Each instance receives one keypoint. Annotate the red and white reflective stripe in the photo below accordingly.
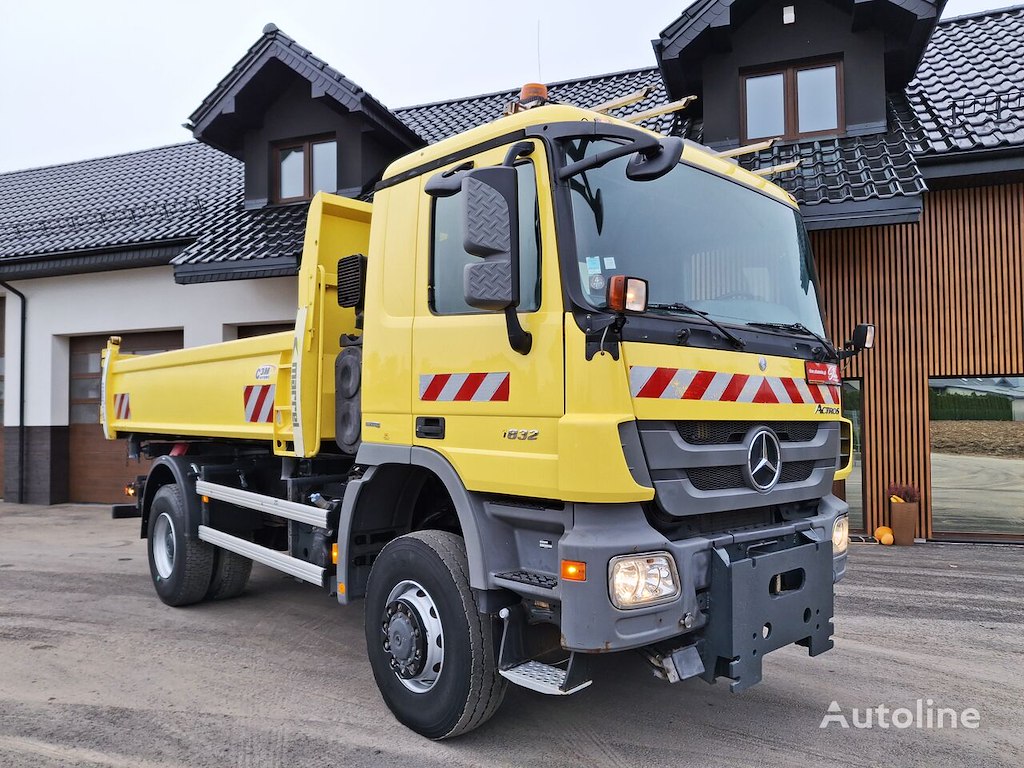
(259, 403)
(464, 387)
(122, 408)
(709, 386)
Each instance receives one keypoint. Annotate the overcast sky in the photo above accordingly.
(81, 80)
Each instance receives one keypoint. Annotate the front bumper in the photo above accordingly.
(729, 593)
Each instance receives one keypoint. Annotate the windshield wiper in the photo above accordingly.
(735, 340)
(826, 345)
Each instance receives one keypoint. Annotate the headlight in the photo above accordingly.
(638, 580)
(840, 535)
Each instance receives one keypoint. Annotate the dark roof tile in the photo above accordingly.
(847, 169)
(241, 235)
(968, 93)
(168, 193)
(445, 118)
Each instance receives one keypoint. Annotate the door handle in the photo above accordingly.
(430, 427)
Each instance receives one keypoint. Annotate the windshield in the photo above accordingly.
(697, 238)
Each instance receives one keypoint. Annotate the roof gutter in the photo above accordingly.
(21, 390)
(1006, 162)
(955, 156)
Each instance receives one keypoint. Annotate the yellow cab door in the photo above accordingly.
(491, 411)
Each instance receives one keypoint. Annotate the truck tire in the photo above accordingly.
(181, 567)
(230, 575)
(432, 652)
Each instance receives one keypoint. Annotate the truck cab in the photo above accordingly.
(573, 396)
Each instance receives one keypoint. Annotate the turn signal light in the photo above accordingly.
(627, 294)
(823, 373)
(574, 570)
(129, 489)
(334, 554)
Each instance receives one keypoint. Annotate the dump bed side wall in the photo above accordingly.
(278, 387)
(200, 391)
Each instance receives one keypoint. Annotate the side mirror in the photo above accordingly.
(863, 337)
(647, 165)
(490, 199)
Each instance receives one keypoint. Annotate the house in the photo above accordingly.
(909, 132)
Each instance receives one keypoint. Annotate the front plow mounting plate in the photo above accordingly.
(765, 601)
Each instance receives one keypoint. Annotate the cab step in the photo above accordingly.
(544, 678)
(300, 569)
(532, 578)
(517, 659)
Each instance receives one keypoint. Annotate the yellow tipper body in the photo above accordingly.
(278, 387)
(567, 408)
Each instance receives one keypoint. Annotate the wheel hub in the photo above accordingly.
(412, 636)
(404, 639)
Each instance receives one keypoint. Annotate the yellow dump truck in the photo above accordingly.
(562, 389)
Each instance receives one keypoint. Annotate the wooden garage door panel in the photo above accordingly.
(3, 372)
(99, 468)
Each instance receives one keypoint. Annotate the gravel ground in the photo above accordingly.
(95, 671)
(979, 438)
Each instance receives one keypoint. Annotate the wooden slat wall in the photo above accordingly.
(947, 297)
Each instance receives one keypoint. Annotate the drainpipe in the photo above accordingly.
(21, 391)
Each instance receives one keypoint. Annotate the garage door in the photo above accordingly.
(2, 373)
(99, 468)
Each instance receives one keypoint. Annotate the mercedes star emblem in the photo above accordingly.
(764, 460)
(762, 363)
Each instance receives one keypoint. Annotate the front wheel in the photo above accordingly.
(432, 652)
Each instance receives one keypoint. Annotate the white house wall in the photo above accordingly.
(124, 301)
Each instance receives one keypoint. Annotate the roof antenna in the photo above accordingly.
(540, 78)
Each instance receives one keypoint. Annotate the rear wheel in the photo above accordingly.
(181, 567)
(431, 650)
(230, 575)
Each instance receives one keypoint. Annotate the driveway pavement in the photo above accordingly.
(95, 671)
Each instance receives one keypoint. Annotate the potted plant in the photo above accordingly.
(904, 501)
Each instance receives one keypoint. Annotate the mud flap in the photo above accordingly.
(765, 601)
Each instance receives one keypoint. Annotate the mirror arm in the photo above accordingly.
(520, 339)
(849, 350)
(447, 183)
(646, 145)
(520, 149)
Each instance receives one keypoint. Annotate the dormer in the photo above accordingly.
(298, 125)
(794, 69)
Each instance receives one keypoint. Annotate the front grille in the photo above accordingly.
(726, 478)
(699, 467)
(796, 471)
(726, 432)
(716, 478)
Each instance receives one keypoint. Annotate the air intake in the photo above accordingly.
(351, 281)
